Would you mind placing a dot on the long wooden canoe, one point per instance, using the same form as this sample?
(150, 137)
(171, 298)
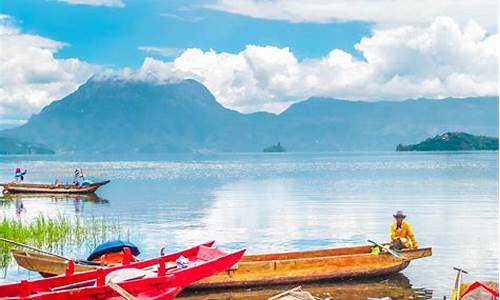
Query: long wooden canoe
(15, 187)
(48, 265)
(45, 264)
(310, 266)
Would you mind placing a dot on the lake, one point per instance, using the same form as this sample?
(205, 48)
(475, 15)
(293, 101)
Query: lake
(289, 201)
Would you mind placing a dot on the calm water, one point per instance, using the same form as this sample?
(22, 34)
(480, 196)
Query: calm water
(281, 202)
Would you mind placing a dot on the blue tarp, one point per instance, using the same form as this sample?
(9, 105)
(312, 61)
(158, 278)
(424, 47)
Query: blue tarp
(113, 246)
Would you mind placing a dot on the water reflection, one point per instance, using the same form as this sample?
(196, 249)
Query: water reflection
(283, 214)
(292, 202)
(394, 287)
(78, 200)
(19, 206)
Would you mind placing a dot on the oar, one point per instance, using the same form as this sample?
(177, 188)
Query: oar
(392, 252)
(121, 291)
(33, 248)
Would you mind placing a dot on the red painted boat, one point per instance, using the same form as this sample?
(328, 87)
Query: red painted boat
(157, 278)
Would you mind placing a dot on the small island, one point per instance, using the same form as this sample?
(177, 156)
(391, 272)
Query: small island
(275, 148)
(453, 141)
(15, 146)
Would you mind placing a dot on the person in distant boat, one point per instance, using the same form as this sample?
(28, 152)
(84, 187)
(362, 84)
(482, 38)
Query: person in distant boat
(78, 177)
(19, 176)
(401, 233)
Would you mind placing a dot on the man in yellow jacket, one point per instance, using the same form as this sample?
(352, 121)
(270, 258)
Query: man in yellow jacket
(401, 233)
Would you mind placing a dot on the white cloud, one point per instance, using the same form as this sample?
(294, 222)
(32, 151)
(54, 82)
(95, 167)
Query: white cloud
(381, 12)
(116, 3)
(162, 51)
(438, 60)
(30, 76)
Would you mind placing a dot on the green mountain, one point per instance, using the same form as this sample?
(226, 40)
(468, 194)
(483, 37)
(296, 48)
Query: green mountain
(118, 116)
(14, 146)
(453, 141)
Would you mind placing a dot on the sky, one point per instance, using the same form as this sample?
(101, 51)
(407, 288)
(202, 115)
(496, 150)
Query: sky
(253, 55)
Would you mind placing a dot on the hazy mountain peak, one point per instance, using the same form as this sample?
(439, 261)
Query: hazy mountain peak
(118, 115)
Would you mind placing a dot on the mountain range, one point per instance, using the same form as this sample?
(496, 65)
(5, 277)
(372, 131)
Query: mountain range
(114, 115)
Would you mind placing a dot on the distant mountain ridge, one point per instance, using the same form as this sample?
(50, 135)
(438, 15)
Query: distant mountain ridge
(14, 146)
(132, 116)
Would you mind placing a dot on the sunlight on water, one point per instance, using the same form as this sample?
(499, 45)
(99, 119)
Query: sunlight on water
(269, 203)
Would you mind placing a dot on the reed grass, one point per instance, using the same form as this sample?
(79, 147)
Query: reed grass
(55, 234)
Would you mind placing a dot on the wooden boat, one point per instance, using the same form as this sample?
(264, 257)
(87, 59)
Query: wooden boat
(310, 266)
(16, 187)
(157, 278)
(45, 264)
(108, 254)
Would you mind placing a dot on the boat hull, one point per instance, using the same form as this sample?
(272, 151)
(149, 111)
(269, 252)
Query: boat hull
(44, 264)
(14, 187)
(157, 278)
(309, 266)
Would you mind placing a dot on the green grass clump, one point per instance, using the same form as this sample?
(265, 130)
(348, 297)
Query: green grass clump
(54, 234)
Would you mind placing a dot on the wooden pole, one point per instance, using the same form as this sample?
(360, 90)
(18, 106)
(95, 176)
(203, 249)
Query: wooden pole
(121, 291)
(32, 248)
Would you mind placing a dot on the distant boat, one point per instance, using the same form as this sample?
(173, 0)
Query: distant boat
(275, 148)
(16, 187)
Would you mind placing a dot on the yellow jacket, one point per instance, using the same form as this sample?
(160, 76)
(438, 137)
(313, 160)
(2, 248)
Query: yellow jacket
(405, 231)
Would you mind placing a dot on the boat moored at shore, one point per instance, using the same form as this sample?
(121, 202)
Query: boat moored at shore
(310, 266)
(157, 278)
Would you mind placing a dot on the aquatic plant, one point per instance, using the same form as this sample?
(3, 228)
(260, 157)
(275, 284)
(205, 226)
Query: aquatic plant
(55, 234)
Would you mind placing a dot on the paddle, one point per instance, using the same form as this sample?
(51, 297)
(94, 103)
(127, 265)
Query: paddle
(48, 253)
(32, 248)
(392, 252)
(121, 291)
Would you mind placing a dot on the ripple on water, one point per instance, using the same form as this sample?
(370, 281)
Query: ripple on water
(270, 203)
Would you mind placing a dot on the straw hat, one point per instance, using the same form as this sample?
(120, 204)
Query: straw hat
(399, 214)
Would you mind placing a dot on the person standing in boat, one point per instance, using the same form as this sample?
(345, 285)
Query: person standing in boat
(19, 176)
(401, 233)
(78, 177)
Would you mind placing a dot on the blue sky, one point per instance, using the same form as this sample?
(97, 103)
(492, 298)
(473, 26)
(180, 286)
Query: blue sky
(253, 55)
(111, 35)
